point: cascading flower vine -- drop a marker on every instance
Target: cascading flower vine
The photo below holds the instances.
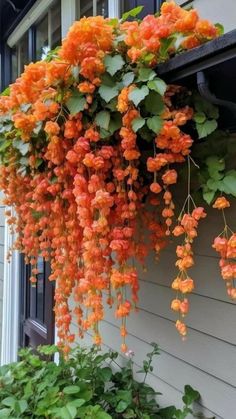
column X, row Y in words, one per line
column 225, row 245
column 73, row 133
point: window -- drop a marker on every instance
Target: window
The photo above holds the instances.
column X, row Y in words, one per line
column 42, row 41
column 48, row 31
column 125, row 6
column 19, row 56
column 92, row 8
column 44, row 34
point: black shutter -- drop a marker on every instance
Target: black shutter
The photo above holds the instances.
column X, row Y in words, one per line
column 150, row 6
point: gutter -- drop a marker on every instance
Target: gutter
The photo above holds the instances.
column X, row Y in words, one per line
column 200, row 58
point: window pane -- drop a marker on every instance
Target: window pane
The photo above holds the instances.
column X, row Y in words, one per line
column 55, row 16
column 42, row 42
column 14, row 63
column 85, row 8
column 40, row 298
column 125, row 6
column 23, row 57
column 40, row 290
column 102, row 8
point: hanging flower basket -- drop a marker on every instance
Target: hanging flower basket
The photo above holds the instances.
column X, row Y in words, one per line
column 91, row 145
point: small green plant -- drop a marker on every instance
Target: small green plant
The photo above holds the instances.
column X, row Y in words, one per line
column 88, row 385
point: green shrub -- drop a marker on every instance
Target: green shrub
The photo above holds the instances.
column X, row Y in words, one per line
column 85, row 386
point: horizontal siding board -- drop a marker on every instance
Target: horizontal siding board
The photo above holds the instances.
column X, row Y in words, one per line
column 199, row 350
column 203, row 311
column 1, row 291
column 1, row 270
column 169, row 394
column 1, row 253
column 205, row 272
column 216, row 395
column 2, row 231
column 2, row 216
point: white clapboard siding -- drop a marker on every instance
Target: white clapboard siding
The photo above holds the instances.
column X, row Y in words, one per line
column 169, row 393
column 202, row 317
column 207, row 359
column 222, row 11
column 205, row 272
column 195, row 350
column 175, row 374
column 2, row 235
column 2, row 229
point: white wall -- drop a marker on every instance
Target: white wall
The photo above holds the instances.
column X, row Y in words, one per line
column 207, row 359
column 2, row 222
column 218, row 11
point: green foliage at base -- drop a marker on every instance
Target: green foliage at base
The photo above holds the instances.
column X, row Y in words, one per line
column 88, row 385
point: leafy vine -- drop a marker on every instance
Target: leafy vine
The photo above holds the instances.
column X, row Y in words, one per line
column 91, row 141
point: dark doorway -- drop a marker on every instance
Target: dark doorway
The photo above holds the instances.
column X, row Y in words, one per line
column 36, row 306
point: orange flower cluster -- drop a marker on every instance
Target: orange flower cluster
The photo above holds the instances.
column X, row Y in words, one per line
column 225, row 245
column 71, row 168
column 145, row 37
column 183, row 284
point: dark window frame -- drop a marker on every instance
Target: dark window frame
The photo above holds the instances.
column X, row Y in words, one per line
column 32, row 331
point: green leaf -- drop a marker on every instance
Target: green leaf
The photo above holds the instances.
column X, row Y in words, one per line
column 72, row 410
column 113, row 64
column 104, row 133
column 121, row 406
column 229, row 183
column 206, row 128
column 138, row 123
column 220, row 28
column 115, row 122
column 132, row 13
column 49, row 349
column 103, row 415
column 105, row 373
column 76, row 102
column 24, row 161
column 167, row 412
column 107, row 93
column 21, row 146
column 215, row 163
column 107, row 79
column 137, row 95
column 21, row 406
column 71, row 389
column 5, row 144
column 158, row 85
column 146, row 74
column 5, row 92
column 199, row 117
column 5, row 413
column 9, row 401
column 25, row 107
column 75, row 72
column 154, row 103
column 38, row 163
column 102, row 119
column 155, row 124
column 166, row 43
column 125, row 395
column 77, row 402
column 208, row 196
column 128, row 79
column 38, row 127
column 213, row 184
column 190, row 395
column 67, row 413
column 202, row 105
